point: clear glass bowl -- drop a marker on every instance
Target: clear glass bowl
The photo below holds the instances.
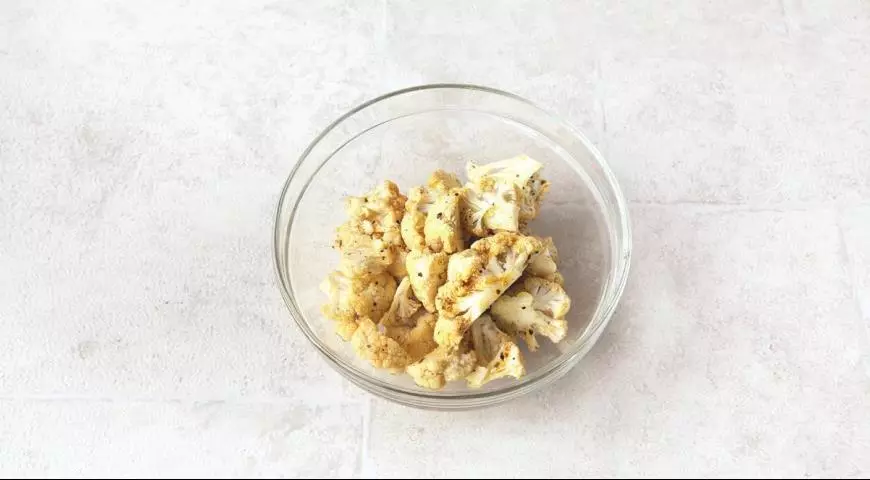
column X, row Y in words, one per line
column 405, row 135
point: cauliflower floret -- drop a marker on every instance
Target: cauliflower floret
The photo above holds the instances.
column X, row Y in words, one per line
column 443, row 181
column 490, row 205
column 403, row 306
column 549, row 297
column 496, row 351
column 346, row 328
column 476, row 279
column 432, row 216
column 443, row 226
column 523, row 172
column 556, row 278
column 532, row 195
column 517, row 169
column 517, row 316
column 417, row 340
column 443, row 365
column 380, row 350
column 414, row 222
column 426, row 272
column 362, row 254
column 543, row 261
column 370, row 239
column 351, row 298
column 397, row 268
column 379, row 211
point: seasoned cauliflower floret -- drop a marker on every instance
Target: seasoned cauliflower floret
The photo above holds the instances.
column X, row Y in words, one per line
column 476, row 279
column 380, row 350
column 443, row 181
column 490, row 205
column 533, row 306
column 346, row 328
column 403, row 306
column 414, row 222
column 523, row 172
column 397, row 268
column 517, row 316
column 361, row 253
column 351, row 298
column 549, row 297
column 427, row 272
column 370, row 239
column 432, row 216
column 544, row 260
column 497, row 353
column 443, row 365
column 556, row 278
column 417, row 340
column 443, row 226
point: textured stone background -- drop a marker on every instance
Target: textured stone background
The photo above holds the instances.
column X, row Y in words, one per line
column 143, row 145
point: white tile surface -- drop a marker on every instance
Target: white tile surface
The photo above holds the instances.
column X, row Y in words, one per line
column 143, row 144
column 109, row 439
column 716, row 365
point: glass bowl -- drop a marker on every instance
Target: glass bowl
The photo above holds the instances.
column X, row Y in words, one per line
column 404, row 136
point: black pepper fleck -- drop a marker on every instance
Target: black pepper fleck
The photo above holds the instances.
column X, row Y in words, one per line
column 439, row 215
column 419, row 274
column 523, row 308
column 498, row 292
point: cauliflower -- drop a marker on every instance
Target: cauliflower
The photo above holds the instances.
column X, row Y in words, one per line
column 380, row 350
column 523, row 172
column 443, row 226
column 409, row 296
column 476, row 278
column 403, row 306
column 345, row 328
column 490, row 205
column 496, row 351
column 442, row 181
column 556, row 278
column 538, row 308
column 543, row 262
column 533, row 192
column 550, row 297
column 413, row 224
column 417, row 340
column 516, row 315
column 432, row 216
column 443, row 365
column 351, row 298
column 397, row 268
column 426, row 272
column 371, row 238
column 362, row 254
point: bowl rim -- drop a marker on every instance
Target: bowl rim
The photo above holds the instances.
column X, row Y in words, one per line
column 551, row 371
